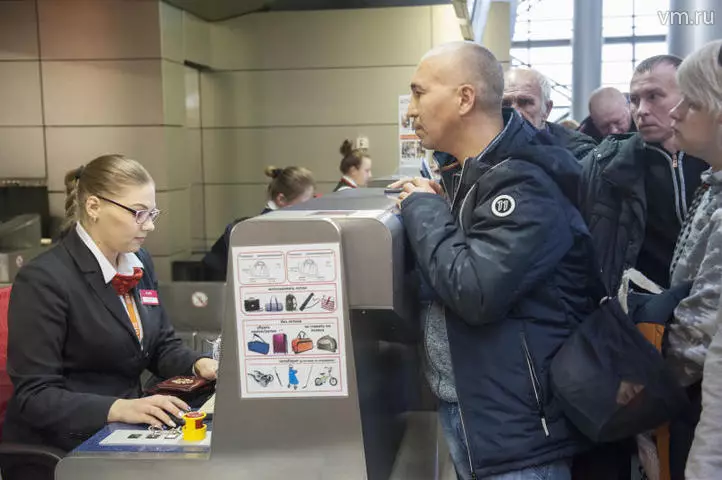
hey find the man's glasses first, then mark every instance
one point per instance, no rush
(141, 216)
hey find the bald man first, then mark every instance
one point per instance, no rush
(609, 114)
(529, 92)
(506, 254)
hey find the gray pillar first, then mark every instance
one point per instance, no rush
(587, 54)
(692, 23)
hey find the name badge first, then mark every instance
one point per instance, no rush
(149, 297)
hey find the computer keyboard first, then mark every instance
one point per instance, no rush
(209, 405)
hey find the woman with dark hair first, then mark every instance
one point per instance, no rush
(355, 167)
(288, 186)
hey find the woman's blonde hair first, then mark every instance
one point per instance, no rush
(107, 175)
(700, 77)
(292, 182)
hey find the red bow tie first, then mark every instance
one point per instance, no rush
(125, 283)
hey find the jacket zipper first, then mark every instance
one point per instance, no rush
(466, 439)
(675, 181)
(535, 384)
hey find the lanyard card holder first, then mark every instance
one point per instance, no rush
(259, 346)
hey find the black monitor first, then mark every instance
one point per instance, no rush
(17, 199)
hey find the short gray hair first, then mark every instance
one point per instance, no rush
(545, 86)
(700, 77)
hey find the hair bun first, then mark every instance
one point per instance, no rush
(273, 172)
(346, 148)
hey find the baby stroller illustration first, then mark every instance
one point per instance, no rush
(263, 379)
(326, 376)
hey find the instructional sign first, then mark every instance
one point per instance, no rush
(290, 321)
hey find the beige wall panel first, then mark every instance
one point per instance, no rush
(92, 29)
(197, 213)
(103, 93)
(240, 155)
(56, 202)
(445, 25)
(174, 93)
(197, 39)
(171, 32)
(18, 30)
(303, 97)
(177, 160)
(20, 94)
(163, 268)
(330, 38)
(192, 98)
(154, 147)
(22, 152)
(172, 231)
(225, 203)
(194, 154)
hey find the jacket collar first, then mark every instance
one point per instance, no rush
(88, 265)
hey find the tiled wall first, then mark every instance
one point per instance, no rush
(81, 78)
(291, 86)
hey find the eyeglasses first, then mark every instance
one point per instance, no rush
(141, 216)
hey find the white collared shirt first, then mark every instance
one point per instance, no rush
(272, 205)
(126, 263)
(350, 184)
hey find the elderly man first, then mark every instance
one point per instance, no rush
(507, 256)
(529, 92)
(609, 114)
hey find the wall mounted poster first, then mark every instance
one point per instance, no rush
(290, 321)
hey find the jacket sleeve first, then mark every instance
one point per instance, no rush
(481, 272)
(695, 318)
(37, 322)
(169, 357)
(705, 457)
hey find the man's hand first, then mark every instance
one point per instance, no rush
(413, 185)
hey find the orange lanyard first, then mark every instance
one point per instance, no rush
(131, 313)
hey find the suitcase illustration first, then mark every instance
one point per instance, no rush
(280, 344)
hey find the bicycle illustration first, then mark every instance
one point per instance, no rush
(326, 377)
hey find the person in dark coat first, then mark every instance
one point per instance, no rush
(355, 168)
(288, 186)
(529, 92)
(507, 257)
(85, 318)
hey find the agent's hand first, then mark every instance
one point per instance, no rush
(151, 410)
(416, 184)
(206, 368)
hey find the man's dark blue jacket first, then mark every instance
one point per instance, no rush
(510, 262)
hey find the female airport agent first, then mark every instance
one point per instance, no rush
(355, 168)
(288, 186)
(85, 319)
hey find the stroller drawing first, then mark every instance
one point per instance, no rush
(326, 376)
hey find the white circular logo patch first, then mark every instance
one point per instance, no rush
(199, 299)
(503, 206)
